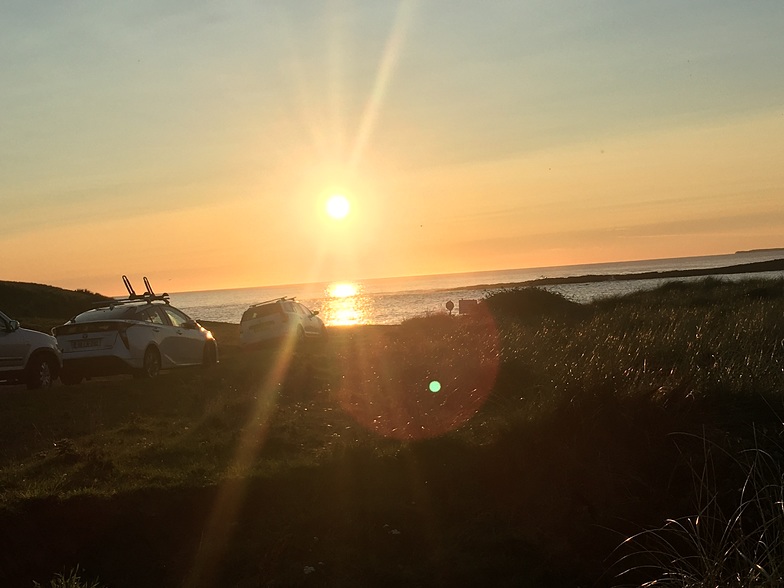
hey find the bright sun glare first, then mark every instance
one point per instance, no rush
(342, 290)
(338, 206)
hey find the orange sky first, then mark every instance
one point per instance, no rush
(198, 145)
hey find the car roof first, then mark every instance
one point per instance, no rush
(116, 311)
(273, 301)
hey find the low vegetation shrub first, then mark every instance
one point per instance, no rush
(532, 305)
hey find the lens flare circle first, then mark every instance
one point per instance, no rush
(388, 385)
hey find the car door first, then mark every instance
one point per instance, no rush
(14, 349)
(189, 339)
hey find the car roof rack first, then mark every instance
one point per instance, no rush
(148, 296)
(281, 299)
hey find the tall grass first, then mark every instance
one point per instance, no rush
(71, 579)
(706, 341)
(734, 539)
(703, 359)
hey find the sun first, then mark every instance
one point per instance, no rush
(338, 206)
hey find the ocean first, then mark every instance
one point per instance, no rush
(386, 301)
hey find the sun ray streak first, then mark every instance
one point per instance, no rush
(303, 93)
(386, 67)
(232, 491)
(336, 68)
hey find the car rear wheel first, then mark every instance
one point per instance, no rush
(40, 372)
(151, 364)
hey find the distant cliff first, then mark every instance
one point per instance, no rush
(775, 265)
(769, 250)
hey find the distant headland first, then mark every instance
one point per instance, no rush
(769, 250)
(775, 265)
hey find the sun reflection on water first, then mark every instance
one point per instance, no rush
(345, 305)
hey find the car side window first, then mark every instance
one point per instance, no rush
(151, 315)
(303, 310)
(177, 318)
(288, 307)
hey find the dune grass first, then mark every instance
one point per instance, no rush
(70, 579)
(557, 431)
(735, 536)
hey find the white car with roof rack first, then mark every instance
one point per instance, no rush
(140, 335)
(29, 357)
(279, 319)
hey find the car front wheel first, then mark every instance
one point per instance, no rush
(40, 372)
(151, 364)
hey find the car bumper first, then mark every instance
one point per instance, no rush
(99, 366)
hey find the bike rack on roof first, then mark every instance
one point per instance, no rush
(148, 296)
(281, 299)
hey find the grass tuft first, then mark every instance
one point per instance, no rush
(735, 536)
(71, 579)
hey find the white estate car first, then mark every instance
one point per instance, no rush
(140, 335)
(27, 356)
(277, 319)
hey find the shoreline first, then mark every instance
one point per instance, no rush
(742, 268)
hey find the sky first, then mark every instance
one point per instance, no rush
(197, 142)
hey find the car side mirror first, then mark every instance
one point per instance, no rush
(314, 312)
(190, 325)
(13, 326)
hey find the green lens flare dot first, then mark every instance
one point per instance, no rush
(435, 386)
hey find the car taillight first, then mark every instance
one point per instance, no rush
(122, 331)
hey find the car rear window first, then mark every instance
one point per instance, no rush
(260, 311)
(102, 314)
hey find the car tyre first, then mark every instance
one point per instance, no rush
(41, 372)
(151, 364)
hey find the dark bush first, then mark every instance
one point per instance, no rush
(533, 304)
(21, 299)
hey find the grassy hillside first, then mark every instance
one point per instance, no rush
(41, 306)
(556, 431)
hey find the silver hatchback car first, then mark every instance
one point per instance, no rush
(275, 320)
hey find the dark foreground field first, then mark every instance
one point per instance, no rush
(555, 432)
